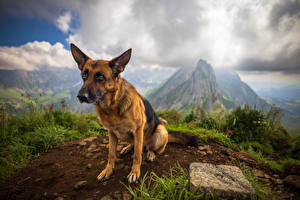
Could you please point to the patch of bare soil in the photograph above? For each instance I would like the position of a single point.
(70, 170)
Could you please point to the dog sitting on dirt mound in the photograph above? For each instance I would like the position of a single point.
(126, 115)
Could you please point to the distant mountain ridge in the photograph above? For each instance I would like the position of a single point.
(203, 86)
(187, 88)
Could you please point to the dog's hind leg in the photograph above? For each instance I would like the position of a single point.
(159, 142)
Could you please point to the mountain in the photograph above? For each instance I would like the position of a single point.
(187, 88)
(237, 91)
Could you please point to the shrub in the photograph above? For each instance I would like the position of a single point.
(172, 116)
(190, 117)
(248, 124)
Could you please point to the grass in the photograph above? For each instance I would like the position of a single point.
(262, 191)
(174, 186)
(26, 136)
(276, 166)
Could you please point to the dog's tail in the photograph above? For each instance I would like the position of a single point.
(183, 138)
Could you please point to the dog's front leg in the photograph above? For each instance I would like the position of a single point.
(113, 141)
(137, 156)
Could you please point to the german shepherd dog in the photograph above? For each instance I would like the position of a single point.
(121, 110)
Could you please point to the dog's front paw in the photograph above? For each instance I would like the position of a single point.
(134, 175)
(105, 174)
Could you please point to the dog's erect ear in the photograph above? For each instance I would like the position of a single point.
(78, 56)
(118, 64)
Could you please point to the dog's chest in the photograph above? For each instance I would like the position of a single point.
(121, 129)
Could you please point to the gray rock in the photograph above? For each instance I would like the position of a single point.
(223, 180)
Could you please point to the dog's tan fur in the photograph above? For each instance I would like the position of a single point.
(123, 112)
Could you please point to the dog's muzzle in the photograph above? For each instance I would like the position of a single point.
(83, 97)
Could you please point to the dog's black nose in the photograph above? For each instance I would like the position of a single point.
(82, 98)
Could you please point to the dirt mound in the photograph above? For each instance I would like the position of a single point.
(70, 170)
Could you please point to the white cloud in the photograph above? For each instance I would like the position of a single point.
(249, 35)
(63, 22)
(34, 55)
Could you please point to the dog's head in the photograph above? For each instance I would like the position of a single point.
(100, 77)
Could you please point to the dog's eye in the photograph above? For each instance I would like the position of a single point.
(85, 74)
(99, 77)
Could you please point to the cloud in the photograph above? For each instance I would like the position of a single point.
(248, 35)
(34, 55)
(63, 22)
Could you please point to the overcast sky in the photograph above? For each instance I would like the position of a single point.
(260, 39)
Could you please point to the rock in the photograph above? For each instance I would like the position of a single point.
(90, 139)
(59, 198)
(292, 180)
(203, 153)
(225, 181)
(89, 166)
(80, 185)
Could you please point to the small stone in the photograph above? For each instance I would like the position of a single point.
(292, 180)
(80, 185)
(59, 198)
(55, 194)
(89, 166)
(225, 181)
(201, 148)
(209, 152)
(203, 153)
(166, 155)
(45, 194)
(104, 183)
